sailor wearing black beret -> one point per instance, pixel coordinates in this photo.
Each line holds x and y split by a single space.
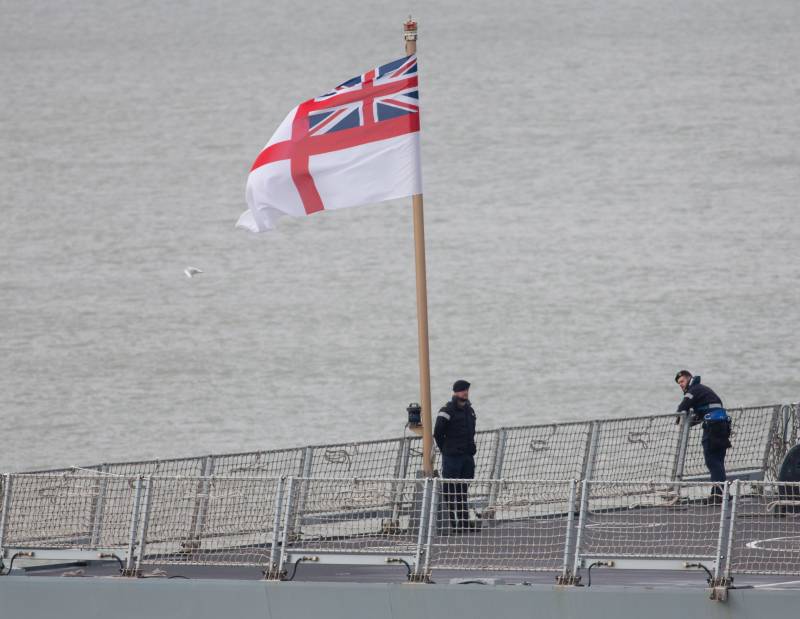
460 385
455 436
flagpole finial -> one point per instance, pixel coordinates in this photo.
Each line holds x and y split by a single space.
410 30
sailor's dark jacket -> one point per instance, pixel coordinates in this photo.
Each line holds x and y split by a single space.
699 399
455 429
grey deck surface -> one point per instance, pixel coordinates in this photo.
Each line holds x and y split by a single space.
397 574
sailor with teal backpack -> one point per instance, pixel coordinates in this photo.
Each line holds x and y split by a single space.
704 406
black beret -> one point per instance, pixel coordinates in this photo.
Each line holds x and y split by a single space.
460 385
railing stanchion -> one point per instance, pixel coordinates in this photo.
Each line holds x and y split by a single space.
148 498
273 569
497 466
308 465
401 472
731 532
721 536
683 443
581 524
8 481
786 415
203 490
434 510
591 451
573 495
419 574
287 524
773 430
130 562
99 507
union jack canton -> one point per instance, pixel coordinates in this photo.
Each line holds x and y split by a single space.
383 93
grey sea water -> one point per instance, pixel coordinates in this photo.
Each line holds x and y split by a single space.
611 194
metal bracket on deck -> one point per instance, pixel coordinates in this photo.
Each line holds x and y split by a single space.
273 572
131 572
719 588
568 579
421 578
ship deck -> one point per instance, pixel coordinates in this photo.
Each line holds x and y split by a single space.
397 575
637 528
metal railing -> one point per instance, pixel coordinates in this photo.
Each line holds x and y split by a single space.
765 535
650 525
561 526
649 447
210 521
158 510
530 528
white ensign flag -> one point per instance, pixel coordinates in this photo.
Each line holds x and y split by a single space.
357 144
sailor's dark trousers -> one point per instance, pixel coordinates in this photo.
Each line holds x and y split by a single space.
715 461
455 493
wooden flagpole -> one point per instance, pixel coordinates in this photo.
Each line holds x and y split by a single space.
410 35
